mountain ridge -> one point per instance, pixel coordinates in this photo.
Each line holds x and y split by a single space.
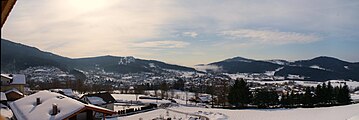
318 68
16 56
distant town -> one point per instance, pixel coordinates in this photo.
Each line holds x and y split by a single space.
113 95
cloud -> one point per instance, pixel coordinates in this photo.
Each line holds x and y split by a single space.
66 26
73 28
161 44
190 34
270 36
205 68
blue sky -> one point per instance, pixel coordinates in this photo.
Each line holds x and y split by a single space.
188 32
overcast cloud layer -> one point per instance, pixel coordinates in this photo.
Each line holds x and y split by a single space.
188 32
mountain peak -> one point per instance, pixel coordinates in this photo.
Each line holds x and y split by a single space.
327 59
241 59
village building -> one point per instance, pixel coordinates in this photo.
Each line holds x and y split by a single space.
104 100
67 92
11 81
54 106
13 94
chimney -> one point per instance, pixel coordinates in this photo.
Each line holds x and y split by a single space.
54 109
38 102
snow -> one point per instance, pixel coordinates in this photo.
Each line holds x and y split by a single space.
238 75
355 97
205 98
5 112
40 70
127 77
271 73
325 113
3 96
269 82
248 61
354 118
346 67
348 112
67 92
132 98
122 106
159 113
290 76
26 108
279 62
317 67
351 84
126 60
96 100
204 68
308 83
17 78
152 65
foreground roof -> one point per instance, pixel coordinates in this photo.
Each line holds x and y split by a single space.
26 108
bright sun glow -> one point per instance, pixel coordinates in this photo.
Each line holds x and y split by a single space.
87 5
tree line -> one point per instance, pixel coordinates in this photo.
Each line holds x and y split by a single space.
323 95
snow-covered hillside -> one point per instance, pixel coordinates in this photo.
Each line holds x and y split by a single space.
348 112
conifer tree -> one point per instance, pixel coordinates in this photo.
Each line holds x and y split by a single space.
239 94
343 95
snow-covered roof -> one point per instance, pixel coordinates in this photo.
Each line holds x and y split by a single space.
67 92
96 100
3 96
204 98
26 108
101 97
17 78
14 90
5 112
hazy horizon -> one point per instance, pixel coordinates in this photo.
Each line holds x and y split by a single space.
188 32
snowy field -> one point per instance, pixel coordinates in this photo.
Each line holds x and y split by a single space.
351 84
132 98
159 113
348 112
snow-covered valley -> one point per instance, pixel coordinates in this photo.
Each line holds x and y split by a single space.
348 112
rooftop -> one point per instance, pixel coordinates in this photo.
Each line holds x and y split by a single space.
16 78
26 108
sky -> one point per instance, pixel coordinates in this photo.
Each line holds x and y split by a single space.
188 32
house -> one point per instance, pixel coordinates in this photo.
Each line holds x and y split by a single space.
46 105
104 100
67 92
10 81
13 94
